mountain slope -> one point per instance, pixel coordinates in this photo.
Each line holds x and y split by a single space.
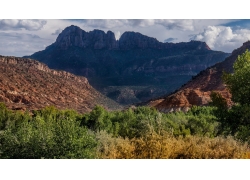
136 64
198 90
27 84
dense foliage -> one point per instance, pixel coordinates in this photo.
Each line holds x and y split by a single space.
141 132
238 82
135 123
236 119
48 133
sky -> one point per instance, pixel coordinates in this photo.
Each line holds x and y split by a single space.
20 37
26 28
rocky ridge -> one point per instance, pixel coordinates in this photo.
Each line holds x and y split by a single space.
73 36
26 84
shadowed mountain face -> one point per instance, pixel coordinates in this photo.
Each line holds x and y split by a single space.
26 84
198 90
132 69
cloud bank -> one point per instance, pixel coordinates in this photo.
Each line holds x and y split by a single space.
114 23
20 44
30 25
223 38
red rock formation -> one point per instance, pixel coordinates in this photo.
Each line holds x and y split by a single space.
198 90
27 84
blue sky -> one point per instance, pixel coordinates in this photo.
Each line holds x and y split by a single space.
24 37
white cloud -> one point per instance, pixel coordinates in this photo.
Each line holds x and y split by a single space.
103 23
57 32
183 24
20 44
114 23
117 35
140 22
14 24
223 38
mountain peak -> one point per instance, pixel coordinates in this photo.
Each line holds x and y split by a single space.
75 36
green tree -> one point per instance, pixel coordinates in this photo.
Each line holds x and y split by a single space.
238 82
236 119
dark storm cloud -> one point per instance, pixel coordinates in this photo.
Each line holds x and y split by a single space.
30 25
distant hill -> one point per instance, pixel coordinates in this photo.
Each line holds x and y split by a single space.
198 90
26 84
134 68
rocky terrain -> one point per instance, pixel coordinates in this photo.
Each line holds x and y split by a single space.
198 90
26 84
136 65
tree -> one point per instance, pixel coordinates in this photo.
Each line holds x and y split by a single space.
236 120
238 82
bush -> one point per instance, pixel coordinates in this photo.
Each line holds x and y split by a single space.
167 146
49 134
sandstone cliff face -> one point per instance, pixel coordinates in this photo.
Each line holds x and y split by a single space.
26 84
184 99
198 90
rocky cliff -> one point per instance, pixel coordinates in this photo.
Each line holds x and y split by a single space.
198 90
76 37
26 84
136 64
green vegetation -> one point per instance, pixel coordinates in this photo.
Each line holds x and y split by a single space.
48 133
142 132
235 120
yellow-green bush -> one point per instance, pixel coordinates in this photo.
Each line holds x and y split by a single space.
169 147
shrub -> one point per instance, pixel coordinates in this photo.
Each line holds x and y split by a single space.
47 135
167 146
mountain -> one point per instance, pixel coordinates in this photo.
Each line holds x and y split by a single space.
198 90
134 68
26 84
